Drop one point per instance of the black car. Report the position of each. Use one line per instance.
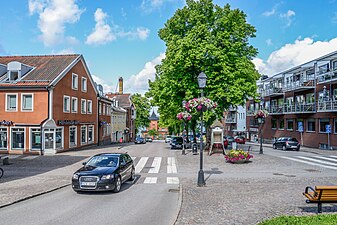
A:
(286, 143)
(104, 172)
(149, 139)
(140, 140)
(177, 142)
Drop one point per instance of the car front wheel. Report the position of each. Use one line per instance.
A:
(118, 185)
(274, 146)
(132, 176)
(284, 148)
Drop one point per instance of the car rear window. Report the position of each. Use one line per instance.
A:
(178, 138)
(292, 139)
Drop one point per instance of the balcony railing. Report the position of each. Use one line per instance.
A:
(327, 106)
(299, 108)
(327, 76)
(273, 91)
(230, 120)
(300, 84)
(250, 112)
(276, 109)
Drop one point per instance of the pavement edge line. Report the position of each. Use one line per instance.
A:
(180, 202)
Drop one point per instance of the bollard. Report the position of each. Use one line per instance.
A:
(5, 161)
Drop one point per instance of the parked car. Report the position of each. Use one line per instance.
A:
(149, 139)
(140, 140)
(177, 142)
(240, 139)
(227, 141)
(104, 172)
(168, 139)
(286, 143)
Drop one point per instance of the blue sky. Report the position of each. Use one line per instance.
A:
(120, 37)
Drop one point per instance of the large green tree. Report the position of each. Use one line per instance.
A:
(142, 105)
(204, 37)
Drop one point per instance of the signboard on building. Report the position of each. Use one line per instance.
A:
(254, 129)
(6, 123)
(67, 122)
(328, 128)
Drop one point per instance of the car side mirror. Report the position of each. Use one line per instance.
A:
(123, 163)
(84, 163)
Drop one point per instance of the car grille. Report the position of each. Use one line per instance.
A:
(88, 182)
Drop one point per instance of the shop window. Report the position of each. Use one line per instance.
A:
(35, 138)
(290, 124)
(90, 134)
(3, 138)
(75, 82)
(59, 138)
(281, 124)
(311, 125)
(83, 135)
(322, 125)
(72, 136)
(11, 102)
(18, 138)
(26, 102)
(66, 103)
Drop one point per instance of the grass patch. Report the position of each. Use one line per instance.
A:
(329, 219)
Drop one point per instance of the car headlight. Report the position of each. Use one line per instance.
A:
(75, 176)
(107, 177)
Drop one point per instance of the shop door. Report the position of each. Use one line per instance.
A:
(49, 140)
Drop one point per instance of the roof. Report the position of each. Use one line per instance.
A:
(46, 68)
(153, 116)
(123, 99)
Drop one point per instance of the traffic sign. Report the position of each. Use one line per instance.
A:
(300, 126)
(328, 128)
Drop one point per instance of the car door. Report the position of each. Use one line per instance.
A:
(123, 168)
(279, 143)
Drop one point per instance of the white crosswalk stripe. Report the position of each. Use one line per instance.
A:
(315, 162)
(143, 167)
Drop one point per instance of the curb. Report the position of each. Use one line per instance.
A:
(34, 195)
(180, 203)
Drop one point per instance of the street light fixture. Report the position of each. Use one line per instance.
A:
(202, 84)
(184, 128)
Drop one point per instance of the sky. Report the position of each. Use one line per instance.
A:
(119, 38)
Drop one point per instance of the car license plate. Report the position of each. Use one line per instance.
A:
(88, 183)
(178, 145)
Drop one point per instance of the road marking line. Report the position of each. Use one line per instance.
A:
(310, 163)
(171, 165)
(133, 158)
(155, 165)
(140, 165)
(150, 180)
(317, 160)
(172, 180)
(30, 157)
(13, 156)
(326, 158)
(333, 156)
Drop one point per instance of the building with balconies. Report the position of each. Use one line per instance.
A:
(301, 98)
(235, 120)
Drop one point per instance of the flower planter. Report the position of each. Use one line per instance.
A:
(241, 161)
(238, 156)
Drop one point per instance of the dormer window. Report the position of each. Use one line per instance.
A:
(13, 75)
(17, 70)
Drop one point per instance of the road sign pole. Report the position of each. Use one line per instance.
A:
(302, 138)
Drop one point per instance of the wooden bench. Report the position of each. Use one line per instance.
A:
(321, 194)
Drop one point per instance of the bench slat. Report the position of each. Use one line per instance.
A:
(326, 188)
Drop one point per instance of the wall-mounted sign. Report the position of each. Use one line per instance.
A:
(6, 123)
(67, 122)
(253, 129)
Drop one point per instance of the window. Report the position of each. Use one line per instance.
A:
(14, 75)
(11, 102)
(281, 124)
(66, 104)
(74, 82)
(59, 138)
(35, 138)
(290, 124)
(273, 123)
(335, 125)
(100, 108)
(89, 107)
(311, 125)
(84, 84)
(322, 124)
(310, 98)
(26, 102)
(74, 105)
(83, 135)
(72, 136)
(83, 106)
(103, 109)
(18, 138)
(90, 134)
(3, 138)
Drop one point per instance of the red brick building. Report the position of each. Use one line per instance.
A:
(301, 100)
(162, 132)
(49, 104)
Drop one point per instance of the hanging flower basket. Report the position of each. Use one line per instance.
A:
(261, 114)
(238, 156)
(200, 104)
(184, 116)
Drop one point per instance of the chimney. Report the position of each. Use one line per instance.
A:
(120, 85)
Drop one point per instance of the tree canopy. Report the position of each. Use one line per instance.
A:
(142, 105)
(204, 37)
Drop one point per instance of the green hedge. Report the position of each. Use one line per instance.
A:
(328, 219)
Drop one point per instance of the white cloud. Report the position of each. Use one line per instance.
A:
(288, 17)
(139, 83)
(64, 52)
(149, 6)
(294, 54)
(107, 87)
(102, 33)
(269, 13)
(53, 15)
(269, 42)
(140, 33)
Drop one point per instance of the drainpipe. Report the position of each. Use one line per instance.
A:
(98, 124)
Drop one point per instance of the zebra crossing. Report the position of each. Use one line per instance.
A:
(155, 170)
(329, 161)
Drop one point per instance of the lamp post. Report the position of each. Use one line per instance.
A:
(202, 84)
(184, 124)
(261, 122)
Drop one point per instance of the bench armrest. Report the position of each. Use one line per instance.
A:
(307, 191)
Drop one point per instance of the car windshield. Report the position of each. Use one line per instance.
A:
(293, 139)
(179, 139)
(103, 161)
